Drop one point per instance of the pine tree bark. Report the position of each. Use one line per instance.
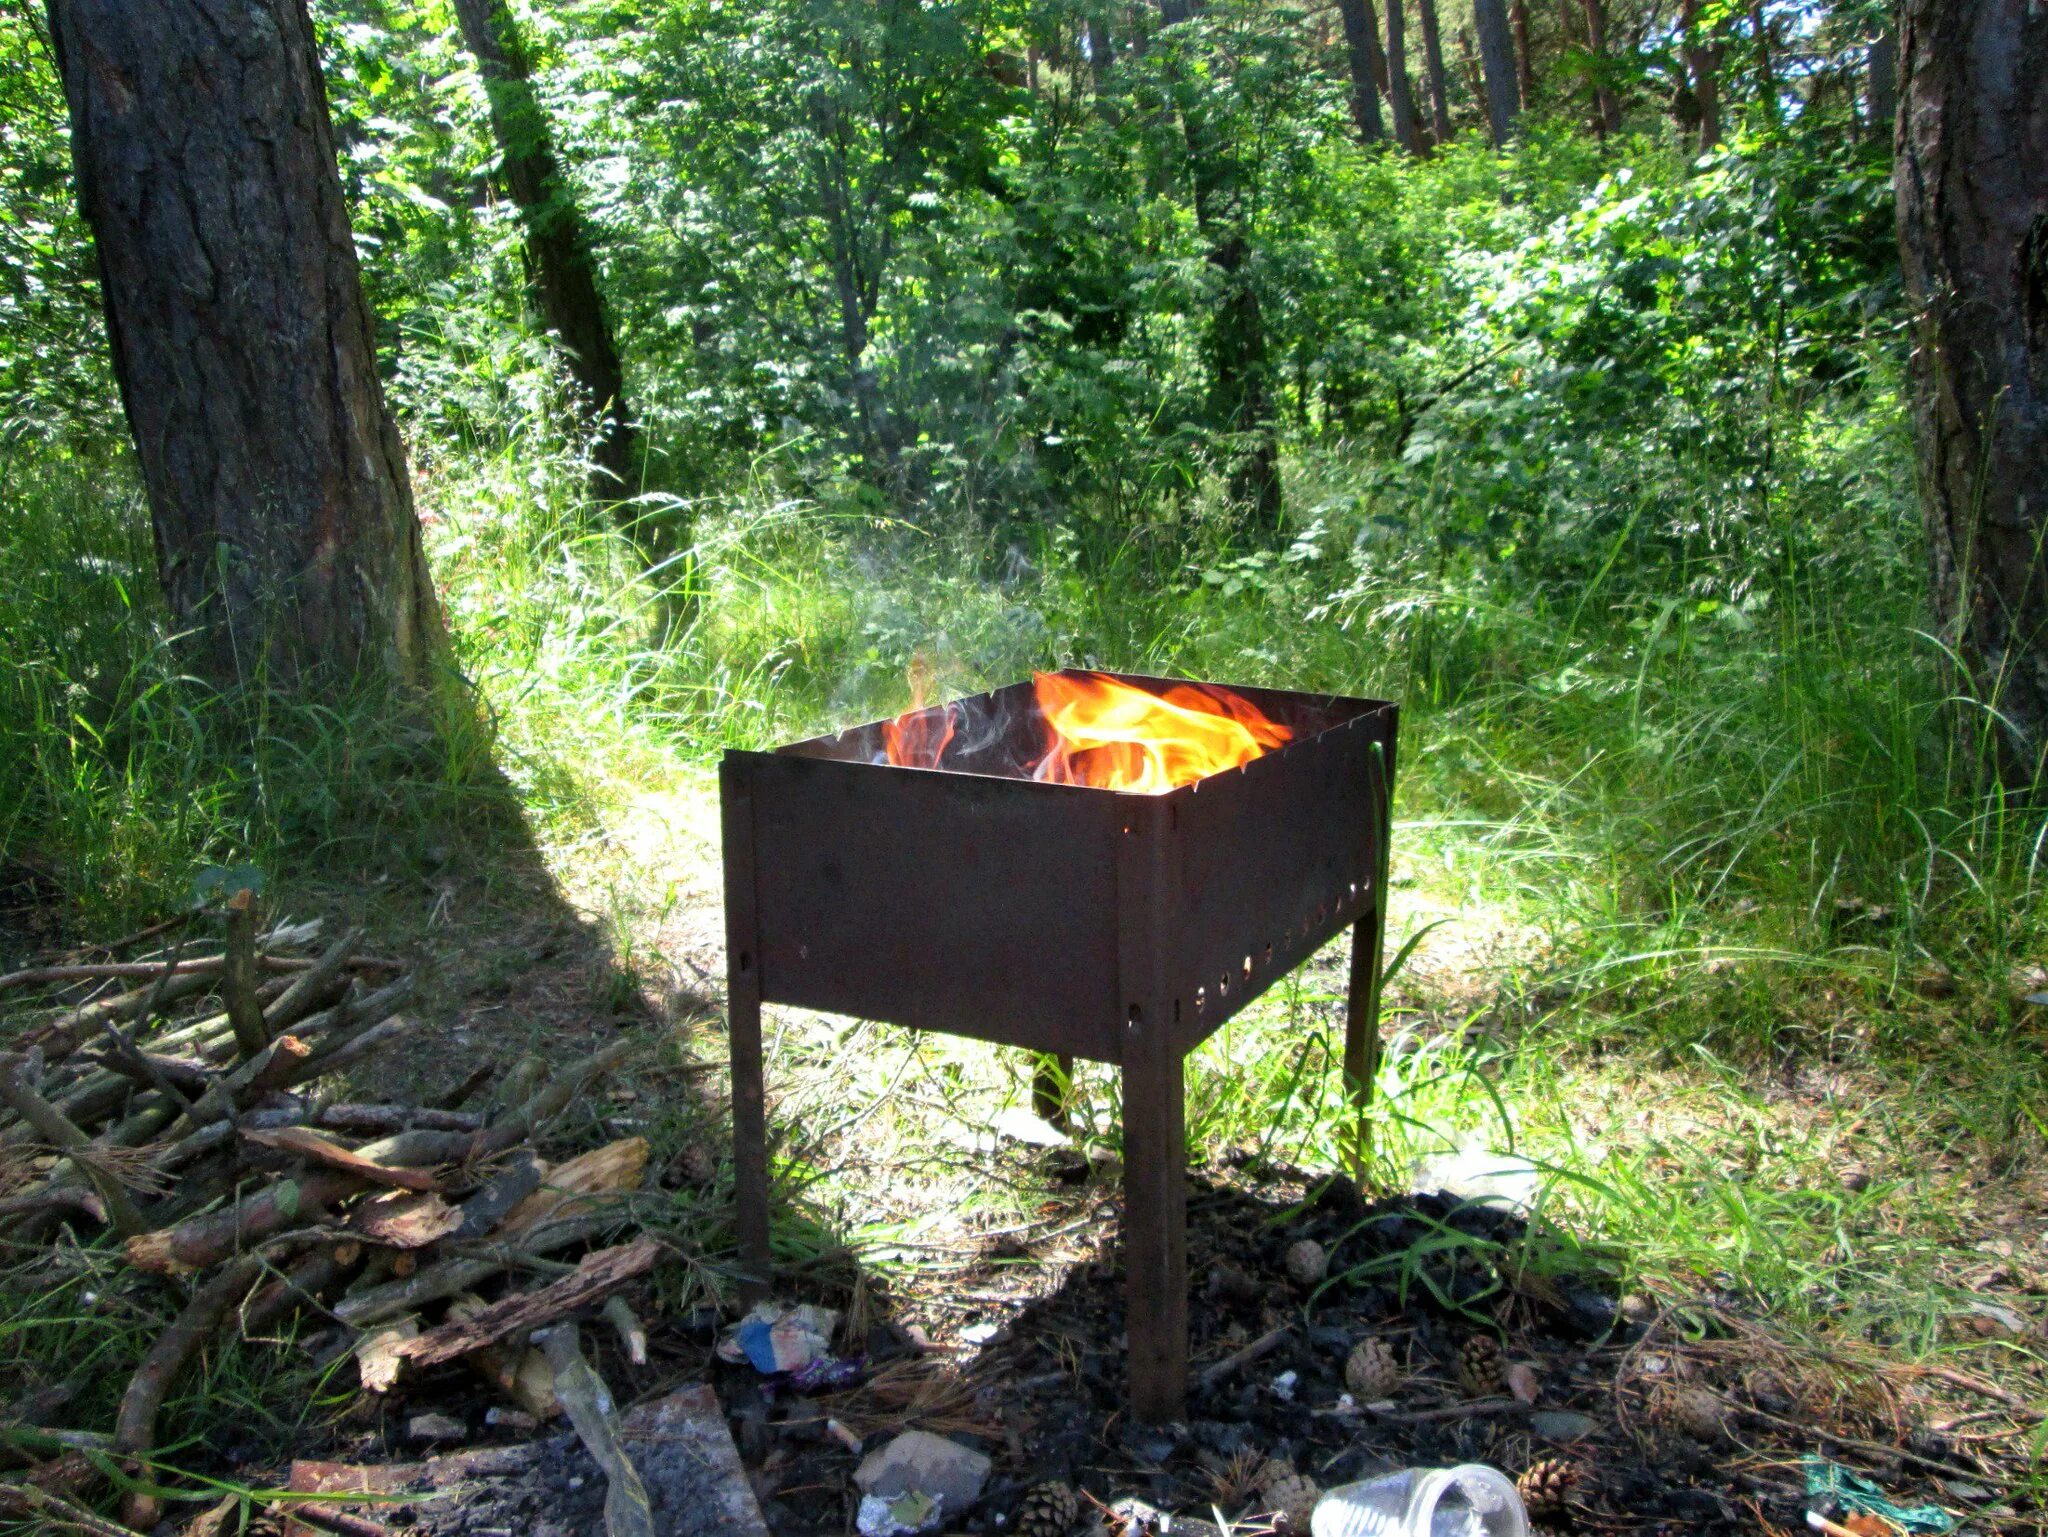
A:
(1702, 55)
(561, 263)
(1525, 53)
(286, 539)
(1360, 41)
(1606, 108)
(1971, 177)
(1407, 129)
(1433, 60)
(1497, 58)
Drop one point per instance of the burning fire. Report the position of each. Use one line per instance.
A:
(1112, 735)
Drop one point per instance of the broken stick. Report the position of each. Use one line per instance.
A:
(596, 1277)
(135, 1426)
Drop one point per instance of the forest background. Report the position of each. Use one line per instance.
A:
(1251, 340)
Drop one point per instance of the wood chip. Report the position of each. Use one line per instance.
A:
(615, 1167)
(377, 1357)
(405, 1219)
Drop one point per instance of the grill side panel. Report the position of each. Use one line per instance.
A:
(1272, 862)
(977, 906)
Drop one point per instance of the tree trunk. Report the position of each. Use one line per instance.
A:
(1241, 391)
(1101, 47)
(1406, 128)
(1703, 63)
(1882, 66)
(1475, 78)
(1606, 108)
(560, 262)
(1433, 60)
(285, 533)
(1972, 185)
(1766, 72)
(1525, 56)
(1359, 43)
(1497, 55)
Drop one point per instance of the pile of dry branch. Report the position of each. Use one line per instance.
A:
(192, 1117)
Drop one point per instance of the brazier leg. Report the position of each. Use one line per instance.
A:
(1155, 1232)
(1362, 1033)
(749, 1138)
(743, 1034)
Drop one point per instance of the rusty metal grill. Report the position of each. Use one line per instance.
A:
(1114, 926)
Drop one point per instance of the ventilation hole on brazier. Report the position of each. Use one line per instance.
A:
(1267, 958)
(1223, 986)
(1201, 999)
(1176, 1011)
(1137, 1014)
(1247, 968)
(746, 961)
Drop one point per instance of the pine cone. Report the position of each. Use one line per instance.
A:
(1371, 1372)
(1482, 1365)
(1046, 1510)
(1547, 1483)
(1307, 1263)
(1287, 1496)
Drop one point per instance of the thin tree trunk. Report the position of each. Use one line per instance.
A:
(1359, 44)
(1606, 108)
(1525, 56)
(1101, 47)
(1475, 78)
(1433, 60)
(1497, 55)
(1971, 179)
(1766, 71)
(1406, 127)
(1703, 63)
(1882, 67)
(561, 264)
(1241, 391)
(285, 533)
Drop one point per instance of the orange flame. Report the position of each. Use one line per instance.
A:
(1118, 737)
(1112, 735)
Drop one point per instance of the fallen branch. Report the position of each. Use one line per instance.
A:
(238, 976)
(1239, 1359)
(515, 1128)
(204, 1241)
(383, 1120)
(206, 966)
(135, 1426)
(59, 1513)
(304, 992)
(461, 1272)
(1478, 1408)
(179, 1081)
(314, 1148)
(599, 1275)
(69, 1140)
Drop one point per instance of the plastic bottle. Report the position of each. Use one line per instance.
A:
(1471, 1500)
